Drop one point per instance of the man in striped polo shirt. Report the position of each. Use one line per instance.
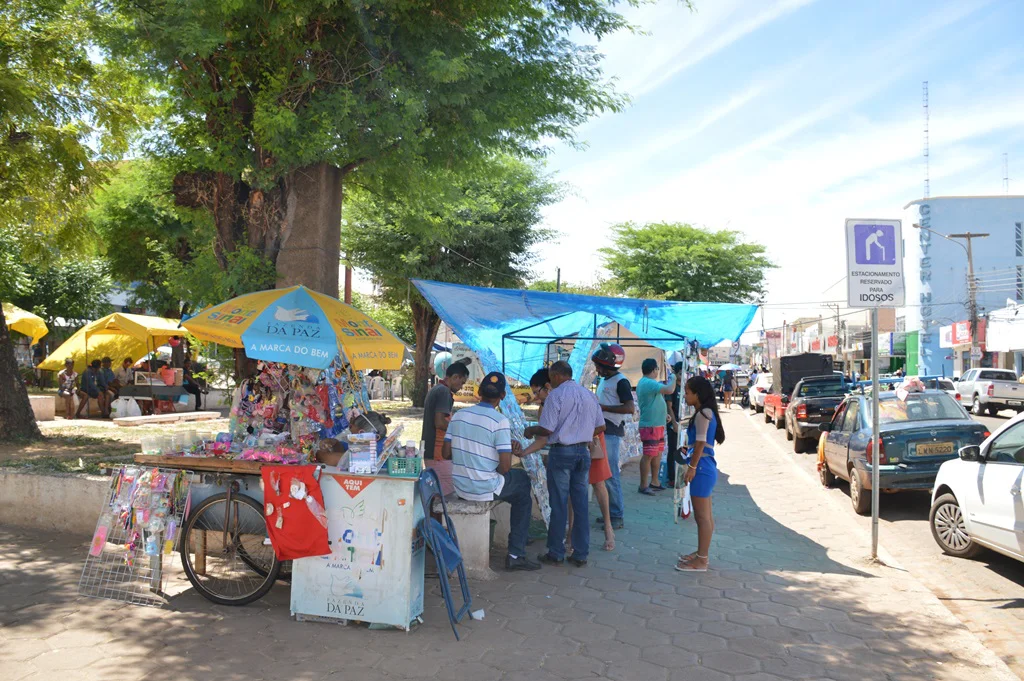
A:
(479, 444)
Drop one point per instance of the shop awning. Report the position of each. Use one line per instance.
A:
(25, 322)
(517, 325)
(117, 336)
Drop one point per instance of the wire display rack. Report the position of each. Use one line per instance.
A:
(138, 524)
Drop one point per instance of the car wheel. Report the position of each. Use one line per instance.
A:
(779, 425)
(825, 474)
(949, 529)
(767, 419)
(789, 433)
(758, 409)
(859, 497)
(976, 406)
(992, 411)
(799, 445)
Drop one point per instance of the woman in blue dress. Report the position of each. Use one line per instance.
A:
(704, 431)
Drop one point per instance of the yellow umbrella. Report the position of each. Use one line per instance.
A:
(298, 326)
(25, 322)
(117, 336)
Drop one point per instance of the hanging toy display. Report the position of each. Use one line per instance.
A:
(138, 524)
(282, 412)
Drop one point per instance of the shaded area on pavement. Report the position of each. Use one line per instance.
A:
(776, 602)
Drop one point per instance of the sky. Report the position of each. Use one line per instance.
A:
(781, 118)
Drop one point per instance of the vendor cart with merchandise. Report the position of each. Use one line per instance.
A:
(259, 499)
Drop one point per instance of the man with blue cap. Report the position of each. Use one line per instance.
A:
(479, 444)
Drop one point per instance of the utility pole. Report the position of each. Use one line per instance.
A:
(558, 280)
(972, 290)
(972, 284)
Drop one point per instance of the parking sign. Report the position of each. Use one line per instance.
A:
(874, 258)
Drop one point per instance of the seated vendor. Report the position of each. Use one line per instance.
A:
(479, 443)
(330, 452)
(369, 422)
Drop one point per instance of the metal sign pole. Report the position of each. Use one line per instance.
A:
(876, 459)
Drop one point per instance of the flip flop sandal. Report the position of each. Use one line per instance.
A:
(687, 568)
(688, 558)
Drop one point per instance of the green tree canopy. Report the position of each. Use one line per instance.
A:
(681, 262)
(67, 109)
(261, 96)
(480, 232)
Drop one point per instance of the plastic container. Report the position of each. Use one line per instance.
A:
(404, 468)
(151, 446)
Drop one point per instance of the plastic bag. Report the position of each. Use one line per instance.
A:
(125, 406)
(685, 502)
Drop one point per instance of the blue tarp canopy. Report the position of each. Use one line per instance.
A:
(516, 325)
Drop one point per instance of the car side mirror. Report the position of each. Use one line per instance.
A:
(971, 453)
(825, 427)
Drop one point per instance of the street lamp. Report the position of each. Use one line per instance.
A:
(972, 285)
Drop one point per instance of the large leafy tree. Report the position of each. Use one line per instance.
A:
(481, 231)
(164, 254)
(681, 262)
(271, 106)
(67, 109)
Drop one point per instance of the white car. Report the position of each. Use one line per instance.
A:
(976, 501)
(762, 386)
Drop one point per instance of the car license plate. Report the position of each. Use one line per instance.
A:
(933, 448)
(1014, 403)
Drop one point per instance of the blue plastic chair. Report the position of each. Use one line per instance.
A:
(444, 544)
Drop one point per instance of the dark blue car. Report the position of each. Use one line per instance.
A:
(917, 435)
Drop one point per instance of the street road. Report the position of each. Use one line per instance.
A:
(986, 593)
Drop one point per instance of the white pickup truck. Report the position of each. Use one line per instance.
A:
(991, 390)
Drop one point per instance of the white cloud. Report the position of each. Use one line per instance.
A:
(680, 39)
(788, 174)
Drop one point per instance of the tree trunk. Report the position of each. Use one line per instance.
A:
(17, 422)
(310, 252)
(426, 323)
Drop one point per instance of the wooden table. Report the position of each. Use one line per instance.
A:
(206, 464)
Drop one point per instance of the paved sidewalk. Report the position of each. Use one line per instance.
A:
(790, 596)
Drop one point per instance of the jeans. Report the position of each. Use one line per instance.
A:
(614, 484)
(568, 480)
(518, 494)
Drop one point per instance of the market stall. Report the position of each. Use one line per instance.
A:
(306, 480)
(511, 331)
(117, 335)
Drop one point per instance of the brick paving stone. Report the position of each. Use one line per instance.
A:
(789, 596)
(726, 630)
(792, 668)
(699, 674)
(730, 662)
(699, 643)
(636, 671)
(571, 666)
(669, 656)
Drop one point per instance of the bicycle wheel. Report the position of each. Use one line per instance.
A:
(263, 566)
(221, 546)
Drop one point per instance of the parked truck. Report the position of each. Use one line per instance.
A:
(990, 390)
(787, 372)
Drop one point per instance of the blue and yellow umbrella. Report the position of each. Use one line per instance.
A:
(298, 326)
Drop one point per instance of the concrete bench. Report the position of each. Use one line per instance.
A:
(44, 407)
(472, 521)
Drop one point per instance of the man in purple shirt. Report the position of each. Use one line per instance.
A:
(571, 418)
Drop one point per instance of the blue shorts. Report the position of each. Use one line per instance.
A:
(705, 478)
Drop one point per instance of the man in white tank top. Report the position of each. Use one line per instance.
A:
(616, 397)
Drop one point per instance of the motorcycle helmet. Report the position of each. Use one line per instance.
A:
(610, 355)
